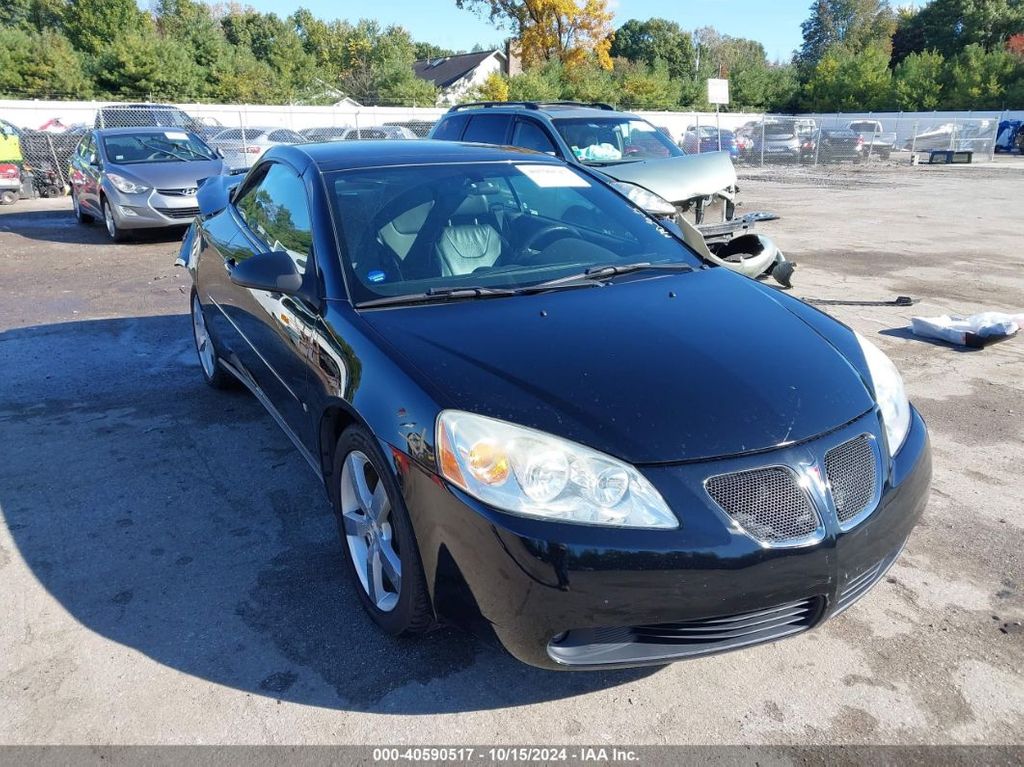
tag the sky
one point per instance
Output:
(774, 23)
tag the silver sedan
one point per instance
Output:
(242, 147)
(139, 178)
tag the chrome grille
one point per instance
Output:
(186, 192)
(179, 212)
(852, 473)
(767, 503)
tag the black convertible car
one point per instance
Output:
(530, 402)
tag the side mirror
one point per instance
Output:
(273, 271)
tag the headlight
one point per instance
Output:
(533, 474)
(654, 204)
(889, 394)
(126, 186)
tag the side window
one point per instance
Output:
(87, 150)
(451, 128)
(276, 211)
(529, 135)
(488, 129)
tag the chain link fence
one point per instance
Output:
(37, 138)
(777, 139)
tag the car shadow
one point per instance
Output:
(58, 224)
(908, 335)
(180, 522)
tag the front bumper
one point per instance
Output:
(151, 209)
(569, 596)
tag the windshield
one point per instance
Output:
(409, 230)
(156, 146)
(608, 140)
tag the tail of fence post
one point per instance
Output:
(913, 139)
(243, 122)
(995, 138)
(817, 146)
(762, 140)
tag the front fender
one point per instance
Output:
(188, 252)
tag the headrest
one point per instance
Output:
(473, 205)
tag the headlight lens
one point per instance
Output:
(126, 186)
(889, 393)
(533, 474)
(654, 204)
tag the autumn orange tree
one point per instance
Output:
(568, 30)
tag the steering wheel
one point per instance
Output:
(562, 230)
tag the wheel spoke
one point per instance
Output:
(379, 505)
(354, 525)
(357, 472)
(373, 586)
(391, 565)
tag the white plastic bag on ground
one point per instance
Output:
(975, 331)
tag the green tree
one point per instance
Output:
(949, 26)
(40, 65)
(846, 81)
(423, 51)
(917, 81)
(90, 24)
(536, 84)
(141, 65)
(239, 78)
(854, 24)
(645, 86)
(980, 79)
(657, 39)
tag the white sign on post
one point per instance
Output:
(718, 91)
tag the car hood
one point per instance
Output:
(170, 175)
(722, 368)
(678, 178)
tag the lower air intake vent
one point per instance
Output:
(852, 473)
(668, 641)
(179, 212)
(768, 503)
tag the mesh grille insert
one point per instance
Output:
(179, 212)
(767, 503)
(852, 474)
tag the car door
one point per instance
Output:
(272, 330)
(91, 175)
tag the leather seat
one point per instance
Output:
(471, 240)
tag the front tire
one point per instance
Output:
(209, 361)
(80, 216)
(377, 536)
(116, 233)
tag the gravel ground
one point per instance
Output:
(169, 570)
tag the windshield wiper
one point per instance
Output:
(438, 294)
(597, 273)
(162, 150)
